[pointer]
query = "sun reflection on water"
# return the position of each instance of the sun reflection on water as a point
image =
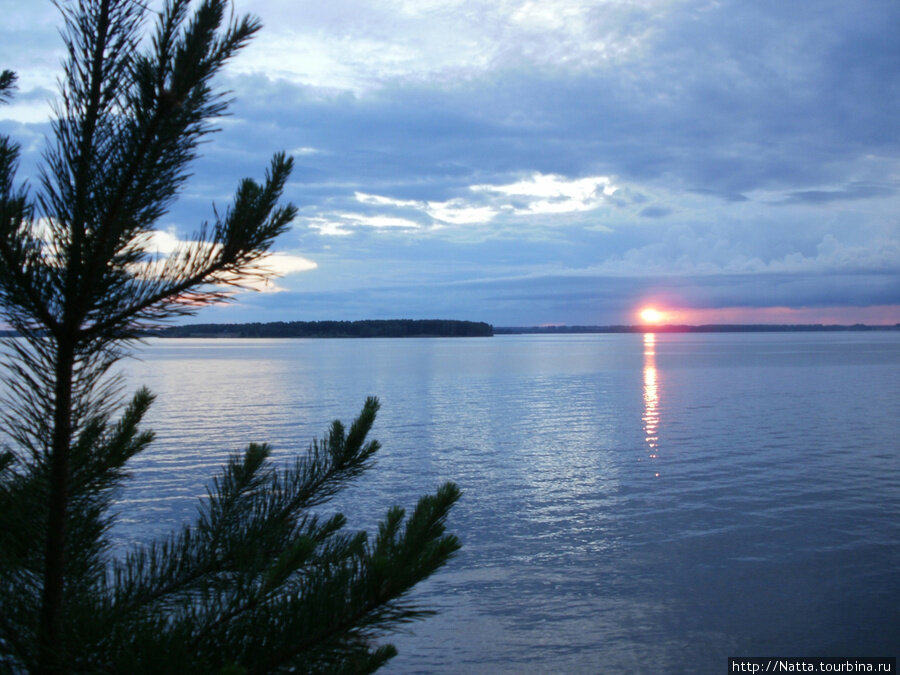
(651, 395)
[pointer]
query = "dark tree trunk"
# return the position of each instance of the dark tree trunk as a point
(51, 647)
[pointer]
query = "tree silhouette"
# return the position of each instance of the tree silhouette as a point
(258, 583)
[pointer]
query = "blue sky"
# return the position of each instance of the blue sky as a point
(562, 161)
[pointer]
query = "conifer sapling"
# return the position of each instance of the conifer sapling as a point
(258, 583)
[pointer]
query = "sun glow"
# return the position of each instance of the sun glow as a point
(651, 315)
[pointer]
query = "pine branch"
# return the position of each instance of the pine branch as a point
(178, 108)
(246, 508)
(7, 85)
(19, 252)
(100, 454)
(243, 237)
(312, 481)
(383, 577)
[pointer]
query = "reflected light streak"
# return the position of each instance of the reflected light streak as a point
(651, 395)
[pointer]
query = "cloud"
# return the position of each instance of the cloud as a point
(655, 212)
(342, 224)
(454, 211)
(359, 45)
(849, 193)
(280, 265)
(304, 151)
(162, 243)
(538, 195)
(541, 194)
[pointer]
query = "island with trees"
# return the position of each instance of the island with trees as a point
(332, 329)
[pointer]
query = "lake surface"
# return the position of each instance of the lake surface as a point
(631, 503)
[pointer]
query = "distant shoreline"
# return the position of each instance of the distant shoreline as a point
(402, 328)
(707, 328)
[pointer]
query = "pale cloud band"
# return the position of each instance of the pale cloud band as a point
(538, 195)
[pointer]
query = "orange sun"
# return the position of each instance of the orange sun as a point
(651, 315)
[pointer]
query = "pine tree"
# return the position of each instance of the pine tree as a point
(258, 583)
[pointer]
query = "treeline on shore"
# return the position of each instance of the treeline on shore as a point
(333, 329)
(708, 328)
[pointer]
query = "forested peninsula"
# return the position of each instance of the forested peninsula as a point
(332, 329)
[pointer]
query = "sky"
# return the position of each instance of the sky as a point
(528, 162)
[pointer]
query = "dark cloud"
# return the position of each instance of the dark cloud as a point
(572, 299)
(655, 212)
(742, 97)
(733, 197)
(849, 193)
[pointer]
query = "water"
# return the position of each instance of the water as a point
(631, 504)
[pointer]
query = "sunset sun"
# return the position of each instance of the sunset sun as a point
(651, 315)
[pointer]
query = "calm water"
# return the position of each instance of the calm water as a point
(630, 504)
